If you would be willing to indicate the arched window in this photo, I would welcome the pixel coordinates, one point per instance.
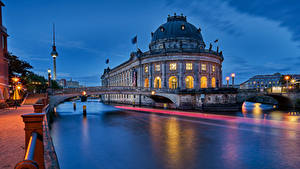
(203, 82)
(146, 83)
(213, 82)
(157, 82)
(189, 82)
(173, 82)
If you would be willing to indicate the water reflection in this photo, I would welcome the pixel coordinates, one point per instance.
(262, 111)
(109, 139)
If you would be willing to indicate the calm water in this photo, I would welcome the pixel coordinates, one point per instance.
(110, 139)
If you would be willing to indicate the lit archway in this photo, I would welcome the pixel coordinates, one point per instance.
(173, 82)
(146, 82)
(189, 82)
(213, 82)
(157, 82)
(203, 82)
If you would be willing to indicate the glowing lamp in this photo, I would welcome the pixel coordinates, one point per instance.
(232, 74)
(227, 78)
(15, 79)
(153, 92)
(286, 77)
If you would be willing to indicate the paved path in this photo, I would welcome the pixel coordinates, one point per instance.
(12, 136)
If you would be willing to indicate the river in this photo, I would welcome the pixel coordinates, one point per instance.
(109, 138)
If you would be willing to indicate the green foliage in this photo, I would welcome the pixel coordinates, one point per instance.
(35, 83)
(17, 67)
(55, 84)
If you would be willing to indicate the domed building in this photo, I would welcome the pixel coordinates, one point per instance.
(177, 60)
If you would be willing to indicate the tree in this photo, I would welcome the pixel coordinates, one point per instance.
(17, 67)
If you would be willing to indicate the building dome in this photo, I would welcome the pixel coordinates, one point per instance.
(178, 30)
(176, 27)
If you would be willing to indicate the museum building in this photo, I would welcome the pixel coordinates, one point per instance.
(177, 59)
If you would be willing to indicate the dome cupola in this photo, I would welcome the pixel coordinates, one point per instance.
(177, 33)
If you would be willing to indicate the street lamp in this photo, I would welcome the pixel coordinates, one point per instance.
(227, 79)
(232, 76)
(287, 82)
(16, 79)
(293, 81)
(49, 78)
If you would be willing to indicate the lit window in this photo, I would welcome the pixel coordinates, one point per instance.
(157, 67)
(157, 82)
(203, 82)
(189, 82)
(182, 27)
(203, 67)
(146, 84)
(213, 82)
(173, 66)
(173, 82)
(189, 66)
(254, 82)
(146, 69)
(213, 68)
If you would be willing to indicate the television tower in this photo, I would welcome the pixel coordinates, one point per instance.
(54, 54)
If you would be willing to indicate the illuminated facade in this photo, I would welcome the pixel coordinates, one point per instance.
(177, 60)
(4, 94)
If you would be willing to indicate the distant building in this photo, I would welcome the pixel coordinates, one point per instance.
(263, 82)
(72, 84)
(62, 83)
(4, 94)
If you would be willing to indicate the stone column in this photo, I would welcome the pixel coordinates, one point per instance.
(180, 79)
(196, 75)
(163, 74)
(151, 71)
(140, 74)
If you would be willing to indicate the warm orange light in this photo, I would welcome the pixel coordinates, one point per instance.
(227, 78)
(153, 92)
(15, 79)
(84, 93)
(19, 87)
(232, 74)
(293, 80)
(286, 77)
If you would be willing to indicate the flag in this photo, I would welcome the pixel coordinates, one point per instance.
(107, 61)
(134, 40)
(217, 40)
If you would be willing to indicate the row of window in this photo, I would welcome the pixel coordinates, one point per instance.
(173, 66)
(262, 82)
(173, 82)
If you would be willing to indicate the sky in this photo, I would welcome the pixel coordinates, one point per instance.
(256, 37)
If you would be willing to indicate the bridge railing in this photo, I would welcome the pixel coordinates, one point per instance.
(143, 89)
(28, 162)
(34, 156)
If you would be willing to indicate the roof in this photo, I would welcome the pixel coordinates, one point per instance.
(176, 27)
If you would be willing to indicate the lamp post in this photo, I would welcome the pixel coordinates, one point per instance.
(49, 78)
(293, 82)
(232, 76)
(227, 79)
(287, 82)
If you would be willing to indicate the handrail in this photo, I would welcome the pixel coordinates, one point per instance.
(31, 146)
(28, 162)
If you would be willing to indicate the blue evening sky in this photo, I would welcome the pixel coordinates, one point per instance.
(257, 37)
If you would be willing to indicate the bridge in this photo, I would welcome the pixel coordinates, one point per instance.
(184, 98)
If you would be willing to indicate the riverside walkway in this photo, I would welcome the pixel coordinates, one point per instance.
(12, 135)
